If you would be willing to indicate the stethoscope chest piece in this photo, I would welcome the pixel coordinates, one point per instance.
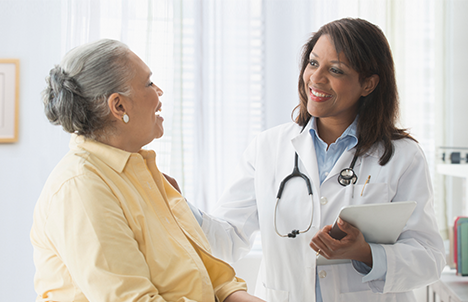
(347, 177)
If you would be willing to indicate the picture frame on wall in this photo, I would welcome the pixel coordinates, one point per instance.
(9, 100)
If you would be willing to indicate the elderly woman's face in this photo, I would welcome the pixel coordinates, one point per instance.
(144, 107)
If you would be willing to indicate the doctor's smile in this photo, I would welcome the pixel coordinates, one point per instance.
(319, 96)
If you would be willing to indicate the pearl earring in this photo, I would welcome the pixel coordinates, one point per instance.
(125, 118)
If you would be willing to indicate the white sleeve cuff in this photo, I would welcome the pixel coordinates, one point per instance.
(196, 212)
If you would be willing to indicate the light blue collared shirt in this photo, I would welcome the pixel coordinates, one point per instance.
(327, 156)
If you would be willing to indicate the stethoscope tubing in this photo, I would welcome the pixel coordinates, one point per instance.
(346, 177)
(294, 233)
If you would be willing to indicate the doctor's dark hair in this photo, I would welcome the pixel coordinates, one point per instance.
(77, 89)
(368, 52)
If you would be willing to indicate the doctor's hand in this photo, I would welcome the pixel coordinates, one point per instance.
(173, 182)
(352, 246)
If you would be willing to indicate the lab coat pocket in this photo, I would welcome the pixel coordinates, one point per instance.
(368, 193)
(275, 294)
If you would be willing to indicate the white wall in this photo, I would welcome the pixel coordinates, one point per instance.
(30, 31)
(458, 129)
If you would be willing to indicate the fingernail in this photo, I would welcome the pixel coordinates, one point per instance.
(340, 221)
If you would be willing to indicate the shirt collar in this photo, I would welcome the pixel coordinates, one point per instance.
(114, 157)
(350, 132)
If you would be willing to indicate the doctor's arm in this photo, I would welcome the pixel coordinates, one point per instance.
(418, 256)
(238, 296)
(232, 226)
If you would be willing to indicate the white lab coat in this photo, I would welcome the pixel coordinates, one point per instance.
(288, 266)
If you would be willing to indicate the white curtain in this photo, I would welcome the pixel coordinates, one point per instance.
(218, 86)
(229, 69)
(417, 41)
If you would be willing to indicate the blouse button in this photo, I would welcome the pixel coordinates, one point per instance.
(322, 274)
(323, 200)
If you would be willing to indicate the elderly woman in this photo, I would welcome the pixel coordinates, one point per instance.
(108, 226)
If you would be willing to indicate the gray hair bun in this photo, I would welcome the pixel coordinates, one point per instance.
(65, 104)
(77, 89)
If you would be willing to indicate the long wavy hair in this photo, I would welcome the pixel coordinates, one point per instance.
(368, 52)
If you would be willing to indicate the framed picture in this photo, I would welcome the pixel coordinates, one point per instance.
(9, 100)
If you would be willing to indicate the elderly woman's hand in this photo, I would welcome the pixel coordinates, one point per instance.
(353, 246)
(242, 296)
(173, 182)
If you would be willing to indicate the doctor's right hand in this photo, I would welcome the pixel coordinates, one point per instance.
(352, 246)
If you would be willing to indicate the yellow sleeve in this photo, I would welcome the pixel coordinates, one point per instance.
(88, 228)
(221, 273)
(225, 289)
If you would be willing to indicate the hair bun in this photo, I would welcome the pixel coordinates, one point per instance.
(61, 80)
(61, 95)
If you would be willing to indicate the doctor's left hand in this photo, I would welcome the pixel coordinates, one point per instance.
(352, 246)
(173, 182)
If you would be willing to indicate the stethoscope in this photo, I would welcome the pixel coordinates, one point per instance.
(346, 177)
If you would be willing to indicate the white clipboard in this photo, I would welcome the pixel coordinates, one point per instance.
(379, 223)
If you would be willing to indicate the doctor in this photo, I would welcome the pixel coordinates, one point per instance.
(346, 119)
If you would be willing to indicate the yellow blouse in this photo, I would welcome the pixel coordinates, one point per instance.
(109, 227)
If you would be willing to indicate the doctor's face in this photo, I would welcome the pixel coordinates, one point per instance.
(331, 84)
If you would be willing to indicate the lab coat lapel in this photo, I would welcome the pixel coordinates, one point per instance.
(344, 162)
(304, 146)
